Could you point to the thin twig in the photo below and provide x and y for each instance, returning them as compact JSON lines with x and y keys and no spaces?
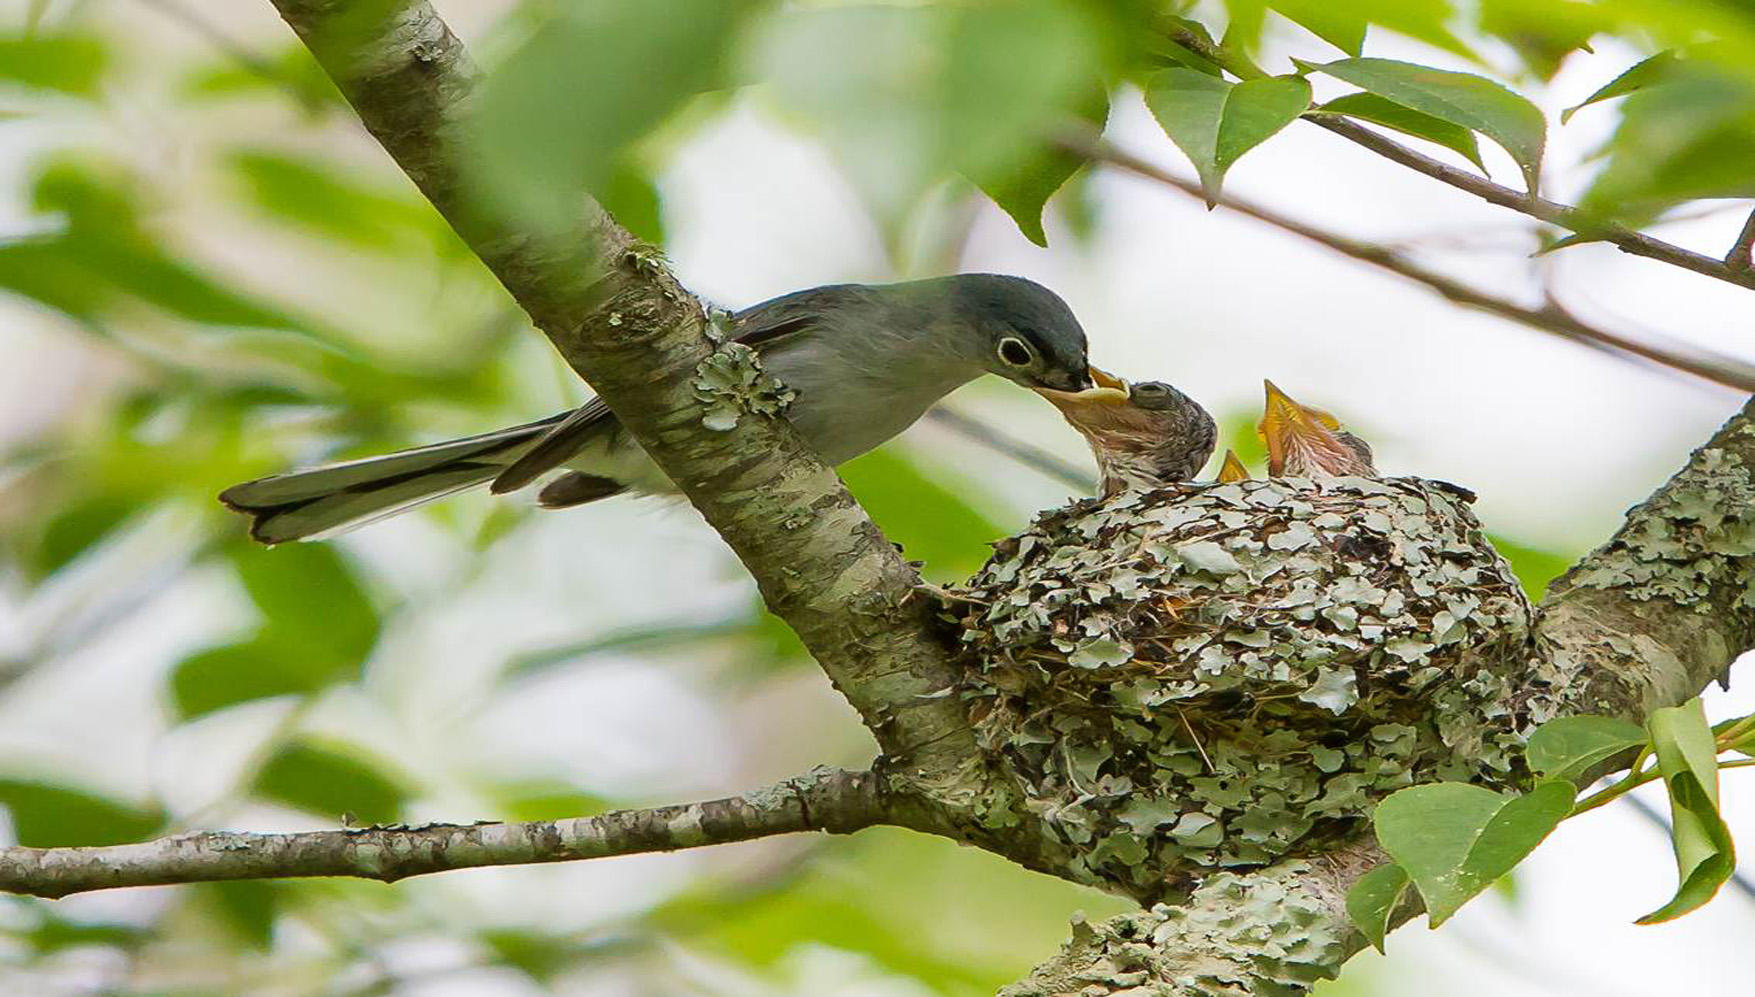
{"x":1029,"y":455}
{"x":822,"y":800}
{"x":1527,"y":202}
{"x":1550,"y":318}
{"x":1742,"y":254}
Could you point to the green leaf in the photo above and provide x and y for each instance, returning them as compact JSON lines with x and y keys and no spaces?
{"x":1012,"y":74}
{"x":325,"y":199}
{"x":1688,"y":757}
{"x":71,"y":64}
{"x":1565,"y":747}
{"x":1543,"y":33}
{"x":1474,"y":102}
{"x":545,"y":800}
{"x":553,"y":119}
{"x":1455,"y":839}
{"x":1338,"y":24}
{"x":331,"y":782}
{"x":929,"y":514}
{"x":1383,"y":111}
{"x":50,"y":816}
{"x":260,"y":668}
{"x":1022,"y":189}
{"x":1373,"y":900}
{"x":247,"y":906}
{"x":1645,"y":73}
{"x":1215,"y":122}
{"x":312,"y":601}
{"x":1691,"y":138}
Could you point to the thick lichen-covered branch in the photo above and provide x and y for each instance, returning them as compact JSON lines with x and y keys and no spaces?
{"x":822,"y":800}
{"x":620,"y":318}
{"x":1664,"y":608}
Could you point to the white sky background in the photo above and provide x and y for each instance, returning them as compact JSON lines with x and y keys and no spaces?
{"x":1557,"y":441}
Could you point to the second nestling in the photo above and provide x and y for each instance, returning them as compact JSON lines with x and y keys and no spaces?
{"x":1149,"y":434}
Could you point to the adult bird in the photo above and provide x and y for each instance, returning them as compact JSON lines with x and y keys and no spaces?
{"x":1143,"y":435}
{"x":864,"y":361}
{"x":1305,"y":442}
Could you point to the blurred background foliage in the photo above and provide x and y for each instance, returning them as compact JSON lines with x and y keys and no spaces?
{"x":210,"y":275}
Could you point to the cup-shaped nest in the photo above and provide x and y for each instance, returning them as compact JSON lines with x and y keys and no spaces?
{"x":1219,"y":675}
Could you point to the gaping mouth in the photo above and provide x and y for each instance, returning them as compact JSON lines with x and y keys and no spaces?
{"x":1105,"y":389}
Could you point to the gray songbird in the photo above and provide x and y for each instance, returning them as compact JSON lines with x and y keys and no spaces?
{"x":1143,"y":435}
{"x":864,"y":360}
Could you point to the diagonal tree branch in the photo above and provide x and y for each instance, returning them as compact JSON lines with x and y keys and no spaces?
{"x":1551,"y":319}
{"x":824,"y":799}
{"x":628,"y":327}
{"x":1564,"y":215}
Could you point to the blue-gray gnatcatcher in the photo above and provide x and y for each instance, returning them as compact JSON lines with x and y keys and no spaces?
{"x":864,"y":360}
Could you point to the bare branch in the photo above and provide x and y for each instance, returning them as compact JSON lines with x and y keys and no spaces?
{"x":1564,"y":215}
{"x":831,"y":800}
{"x":1032,"y":457}
{"x":1550,"y":318}
{"x":1742,"y":254}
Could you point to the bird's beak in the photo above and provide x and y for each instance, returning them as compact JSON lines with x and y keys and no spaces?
{"x":1232,"y":469}
{"x":1286,"y":425}
{"x":1105,"y":389}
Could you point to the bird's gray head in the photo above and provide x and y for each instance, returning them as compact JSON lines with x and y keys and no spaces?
{"x":1024,"y":332}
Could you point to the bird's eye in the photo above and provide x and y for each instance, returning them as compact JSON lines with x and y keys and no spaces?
{"x":1148,"y":388}
{"x":1014,"y":351}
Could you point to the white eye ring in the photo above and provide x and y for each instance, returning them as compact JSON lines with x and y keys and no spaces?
{"x":1015,"y":352}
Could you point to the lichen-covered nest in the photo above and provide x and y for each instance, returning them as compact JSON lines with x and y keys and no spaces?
{"x":1219,"y":675}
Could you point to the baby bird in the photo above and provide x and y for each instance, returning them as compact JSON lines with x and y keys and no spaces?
{"x":1304,"y":442}
{"x":1143,"y":435}
{"x":1232,"y":469}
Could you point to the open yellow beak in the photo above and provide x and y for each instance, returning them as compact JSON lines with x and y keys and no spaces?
{"x":1106,"y":389}
{"x":1232,"y":469}
{"x":1284,"y":422}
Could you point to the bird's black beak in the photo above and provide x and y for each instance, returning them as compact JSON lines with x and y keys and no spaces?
{"x":1066,"y":380}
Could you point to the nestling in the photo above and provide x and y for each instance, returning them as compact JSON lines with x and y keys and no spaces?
{"x":1143,"y":435}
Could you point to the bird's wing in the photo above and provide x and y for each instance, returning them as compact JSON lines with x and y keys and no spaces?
{"x":760,"y":327}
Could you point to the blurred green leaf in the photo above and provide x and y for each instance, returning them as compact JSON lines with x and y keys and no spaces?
{"x":246,"y":906}
{"x":260,"y":668}
{"x":1454,"y":839}
{"x":49,"y":816}
{"x":1338,"y":24}
{"x":1535,"y":568}
{"x":1542,"y":33}
{"x":55,"y":933}
{"x":1565,"y":747}
{"x":313,"y":602}
{"x":1382,"y":111}
{"x":70,"y":64}
{"x":322,"y":197}
{"x":632,"y":198}
{"x":1691,"y":138}
{"x":932,"y":520}
{"x":332,"y":782}
{"x":642,"y":638}
{"x":1373,"y":900}
{"x":552,"y":120}
{"x":75,"y":527}
{"x":291,"y":70}
{"x":1474,"y":102}
{"x":1215,"y":122}
{"x":1688,"y":757}
{"x":1643,"y":74}
{"x":546,"y":799}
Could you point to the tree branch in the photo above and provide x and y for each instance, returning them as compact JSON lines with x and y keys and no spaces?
{"x":1564,"y":215}
{"x":1551,"y":319}
{"x":625,"y":324}
{"x":1661,"y":610}
{"x":824,"y":799}
{"x":1742,"y":254}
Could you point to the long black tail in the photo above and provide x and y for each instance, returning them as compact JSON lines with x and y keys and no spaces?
{"x":323,"y":501}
